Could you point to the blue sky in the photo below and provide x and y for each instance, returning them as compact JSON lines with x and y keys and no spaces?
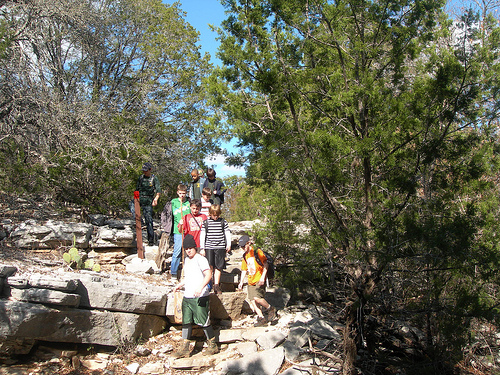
{"x":199,"y":14}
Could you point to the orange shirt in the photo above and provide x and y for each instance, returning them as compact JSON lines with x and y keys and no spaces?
{"x":252,"y":266}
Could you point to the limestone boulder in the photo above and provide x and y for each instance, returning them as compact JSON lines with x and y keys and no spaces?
{"x":239,"y":228}
{"x":264,"y":362}
{"x":46,"y":296}
{"x":226,"y":305}
{"x":115,"y":294}
{"x":115,"y":236}
{"x":52,"y":234}
{"x":54,"y":283}
{"x":24,"y":321}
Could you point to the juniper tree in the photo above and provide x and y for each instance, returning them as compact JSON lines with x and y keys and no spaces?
{"x":383,"y":119}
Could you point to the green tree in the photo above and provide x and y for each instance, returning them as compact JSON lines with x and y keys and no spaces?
{"x":92,"y":89}
{"x":379,"y":115}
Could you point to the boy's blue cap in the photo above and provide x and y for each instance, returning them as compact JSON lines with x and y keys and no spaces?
{"x":243,"y":240}
{"x":147,"y":166}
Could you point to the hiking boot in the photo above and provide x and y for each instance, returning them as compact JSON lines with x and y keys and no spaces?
{"x":271,"y":313}
{"x":217,"y":289}
{"x":183,"y":351}
{"x":260,"y":322}
{"x":212,"y":347}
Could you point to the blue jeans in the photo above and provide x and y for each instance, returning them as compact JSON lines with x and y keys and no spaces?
{"x":147,"y":212}
{"x":176,"y":257}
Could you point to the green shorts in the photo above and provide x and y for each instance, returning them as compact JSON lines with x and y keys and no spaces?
{"x":196,"y":310}
{"x":255,"y":291}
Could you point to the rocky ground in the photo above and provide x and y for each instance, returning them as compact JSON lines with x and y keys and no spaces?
{"x":154,"y":356}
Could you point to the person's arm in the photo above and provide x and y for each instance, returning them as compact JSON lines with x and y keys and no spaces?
{"x":208,"y":276}
{"x":227,"y":233}
{"x":265,"y":265}
{"x":155,"y":200}
{"x":203,"y":238}
{"x":179,"y":286}
{"x":181,"y":226}
{"x":156,"y":182}
{"x":243,"y":274}
{"x":219,"y":188}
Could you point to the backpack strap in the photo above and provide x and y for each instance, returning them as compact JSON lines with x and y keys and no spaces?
{"x":257,"y":257}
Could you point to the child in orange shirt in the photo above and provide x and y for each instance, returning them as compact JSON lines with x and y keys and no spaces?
{"x":256,"y":280}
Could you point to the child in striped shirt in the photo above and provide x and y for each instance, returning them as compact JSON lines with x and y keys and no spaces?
{"x":215,"y":242}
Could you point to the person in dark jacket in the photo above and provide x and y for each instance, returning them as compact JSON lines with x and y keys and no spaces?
{"x":216,"y":186}
{"x":149,"y":189}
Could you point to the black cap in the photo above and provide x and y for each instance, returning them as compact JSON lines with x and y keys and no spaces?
{"x":147,"y":166}
{"x":243,"y":240}
{"x":189,"y":242}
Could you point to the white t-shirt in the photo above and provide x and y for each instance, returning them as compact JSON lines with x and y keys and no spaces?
{"x":205,"y":207}
{"x":193,"y":274}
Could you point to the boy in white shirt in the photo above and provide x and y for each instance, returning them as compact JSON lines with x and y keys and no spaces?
{"x":195,"y":303}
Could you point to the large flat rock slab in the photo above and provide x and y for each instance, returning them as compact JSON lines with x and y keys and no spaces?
{"x":29,"y":321}
{"x":52,"y":234}
{"x":264,"y":362}
{"x":125,"y":295}
{"x":46,"y":296}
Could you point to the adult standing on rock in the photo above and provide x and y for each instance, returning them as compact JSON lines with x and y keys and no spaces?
{"x":149,"y":189}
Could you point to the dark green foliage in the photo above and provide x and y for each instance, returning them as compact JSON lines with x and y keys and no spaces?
{"x":382,"y":125}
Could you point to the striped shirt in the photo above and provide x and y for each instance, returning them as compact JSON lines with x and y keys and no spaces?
{"x":217,"y":235}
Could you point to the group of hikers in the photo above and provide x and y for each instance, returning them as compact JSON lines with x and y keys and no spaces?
{"x":194,"y":219}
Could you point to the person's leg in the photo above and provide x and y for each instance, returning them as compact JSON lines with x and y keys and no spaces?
{"x":254,"y":292}
{"x":209,"y":332}
{"x":147,"y":211}
{"x":267,"y":308}
{"x":217,"y":274}
{"x":201,"y":317}
{"x":219,"y":262}
{"x":212,"y":347}
{"x":176,"y":256}
{"x":187,"y":318}
{"x":262,"y":302}
{"x":255,"y":308}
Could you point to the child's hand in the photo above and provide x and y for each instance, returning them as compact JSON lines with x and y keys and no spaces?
{"x":240,"y":285}
{"x":228,"y":249}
